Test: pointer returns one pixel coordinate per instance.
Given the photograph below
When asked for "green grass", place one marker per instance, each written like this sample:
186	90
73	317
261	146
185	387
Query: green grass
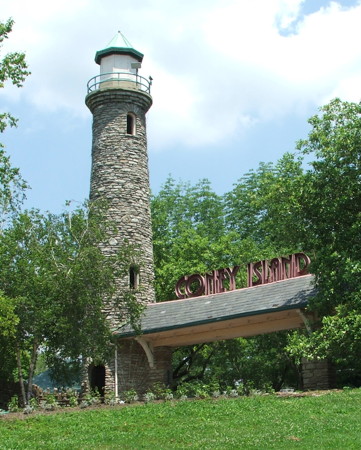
331	421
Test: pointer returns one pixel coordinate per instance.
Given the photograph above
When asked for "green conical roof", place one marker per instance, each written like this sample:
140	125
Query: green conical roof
118	45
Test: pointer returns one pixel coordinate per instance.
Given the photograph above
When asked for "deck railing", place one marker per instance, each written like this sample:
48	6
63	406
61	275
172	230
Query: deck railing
125	80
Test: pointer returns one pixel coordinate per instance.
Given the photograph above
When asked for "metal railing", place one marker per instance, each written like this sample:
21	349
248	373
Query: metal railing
125	80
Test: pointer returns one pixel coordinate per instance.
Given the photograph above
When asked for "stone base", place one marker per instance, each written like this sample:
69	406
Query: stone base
318	374
133	370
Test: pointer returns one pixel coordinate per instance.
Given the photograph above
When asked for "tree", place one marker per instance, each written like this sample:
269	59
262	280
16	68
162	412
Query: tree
188	233
263	206
53	268
8	326
196	231
330	211
13	68
331	203
260	362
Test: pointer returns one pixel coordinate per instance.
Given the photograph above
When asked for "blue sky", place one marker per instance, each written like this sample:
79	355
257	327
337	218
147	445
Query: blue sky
234	83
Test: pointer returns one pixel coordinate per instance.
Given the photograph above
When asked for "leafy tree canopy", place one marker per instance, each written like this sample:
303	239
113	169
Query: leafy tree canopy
13	68
53	266
279	208
330	211
196	231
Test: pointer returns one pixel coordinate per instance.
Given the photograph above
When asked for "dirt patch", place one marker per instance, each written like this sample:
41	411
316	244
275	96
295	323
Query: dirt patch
307	393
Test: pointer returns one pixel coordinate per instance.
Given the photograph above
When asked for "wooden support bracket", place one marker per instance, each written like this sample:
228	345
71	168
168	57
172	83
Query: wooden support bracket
148	348
306	321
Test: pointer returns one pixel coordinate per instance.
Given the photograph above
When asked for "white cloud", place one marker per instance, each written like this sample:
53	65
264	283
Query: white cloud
219	67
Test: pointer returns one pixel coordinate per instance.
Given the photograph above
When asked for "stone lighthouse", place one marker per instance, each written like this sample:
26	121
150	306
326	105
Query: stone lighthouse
119	99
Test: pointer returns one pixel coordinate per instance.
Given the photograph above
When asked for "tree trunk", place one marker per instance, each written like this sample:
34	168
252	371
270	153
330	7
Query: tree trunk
20	373
34	355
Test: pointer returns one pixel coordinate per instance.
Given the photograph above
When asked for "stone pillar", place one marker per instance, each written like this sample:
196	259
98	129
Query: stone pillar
134	371
318	374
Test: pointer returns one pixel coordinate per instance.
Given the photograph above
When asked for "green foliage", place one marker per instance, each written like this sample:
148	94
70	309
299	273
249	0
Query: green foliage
50	402
149	397
330	212
72	396
259	362
196	231
33	403
91	398
110	398
13	405
12	186
277	209
331	203
160	391
13	68
8	317
130	396
188	233
263	206
53	266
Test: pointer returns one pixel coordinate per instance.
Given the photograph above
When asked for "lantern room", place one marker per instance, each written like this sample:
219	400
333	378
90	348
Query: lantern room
119	56
119	64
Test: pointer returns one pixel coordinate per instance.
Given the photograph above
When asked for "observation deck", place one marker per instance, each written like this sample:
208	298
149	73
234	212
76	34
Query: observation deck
119	80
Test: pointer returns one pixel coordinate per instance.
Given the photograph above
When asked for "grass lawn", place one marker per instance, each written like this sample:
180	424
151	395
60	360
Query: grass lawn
330	421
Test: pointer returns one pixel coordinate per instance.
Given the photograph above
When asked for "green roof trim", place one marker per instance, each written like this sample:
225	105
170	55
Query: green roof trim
121	46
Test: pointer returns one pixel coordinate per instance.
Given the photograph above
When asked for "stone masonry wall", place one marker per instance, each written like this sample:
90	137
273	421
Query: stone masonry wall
318	374
120	175
134	371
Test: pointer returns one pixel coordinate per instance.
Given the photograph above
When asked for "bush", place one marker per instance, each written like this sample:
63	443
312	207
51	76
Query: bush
110	398
130	396
149	397
13	405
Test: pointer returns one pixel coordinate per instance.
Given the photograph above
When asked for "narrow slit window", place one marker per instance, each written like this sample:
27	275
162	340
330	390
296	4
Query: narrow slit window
133	277
130	124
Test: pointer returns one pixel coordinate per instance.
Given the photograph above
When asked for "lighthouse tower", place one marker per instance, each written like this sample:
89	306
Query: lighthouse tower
119	99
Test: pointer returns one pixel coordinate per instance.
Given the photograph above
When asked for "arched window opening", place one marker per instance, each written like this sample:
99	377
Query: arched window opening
133	277
130	124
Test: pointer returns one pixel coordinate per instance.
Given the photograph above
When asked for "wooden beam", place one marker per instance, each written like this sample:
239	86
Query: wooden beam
228	329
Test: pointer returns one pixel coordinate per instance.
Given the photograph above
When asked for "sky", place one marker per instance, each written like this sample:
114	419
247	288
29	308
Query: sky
234	82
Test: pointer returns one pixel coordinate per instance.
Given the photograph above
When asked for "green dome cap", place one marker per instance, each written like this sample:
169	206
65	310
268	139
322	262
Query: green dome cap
121	46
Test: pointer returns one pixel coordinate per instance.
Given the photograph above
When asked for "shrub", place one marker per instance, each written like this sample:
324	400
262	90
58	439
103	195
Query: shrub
50	402
130	396
110	398
72	396
13	405
149	397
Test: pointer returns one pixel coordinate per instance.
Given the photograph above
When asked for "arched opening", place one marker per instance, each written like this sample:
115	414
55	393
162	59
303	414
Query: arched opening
97	379
130	124
133	277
